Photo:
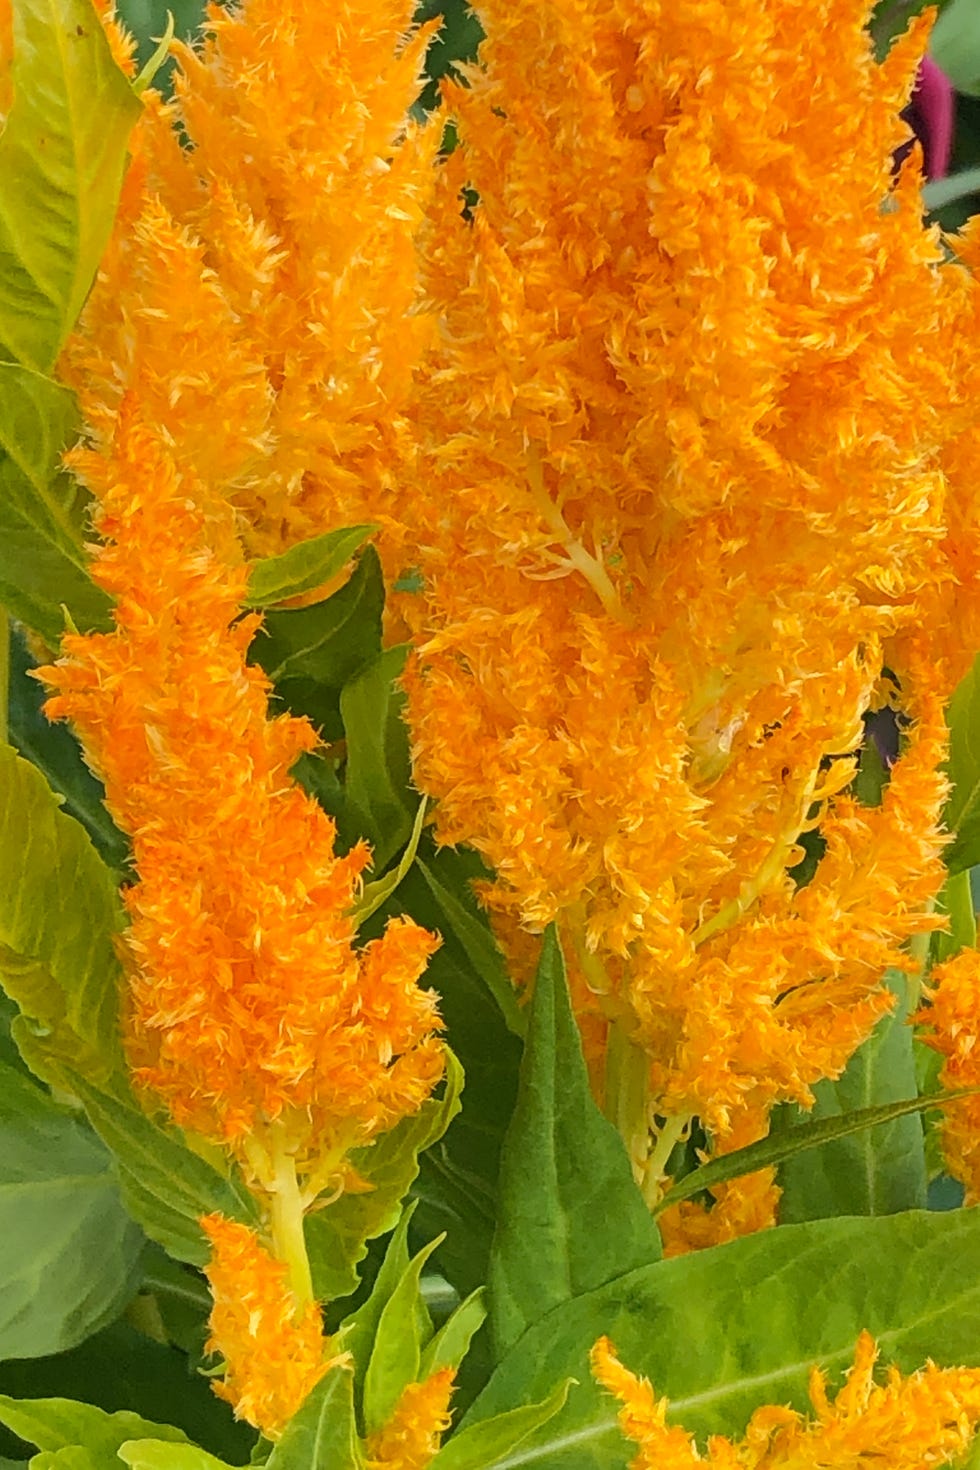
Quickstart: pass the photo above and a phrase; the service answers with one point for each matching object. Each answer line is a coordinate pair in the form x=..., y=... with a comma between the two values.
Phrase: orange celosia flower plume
x=680, y=503
x=929, y=1418
x=246, y=344
x=411, y=1438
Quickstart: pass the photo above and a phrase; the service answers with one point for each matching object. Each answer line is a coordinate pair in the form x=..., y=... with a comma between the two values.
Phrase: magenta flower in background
x=930, y=114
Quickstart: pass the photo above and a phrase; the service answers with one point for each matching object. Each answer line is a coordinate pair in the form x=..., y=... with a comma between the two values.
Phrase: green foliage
x=59, y=1424
x=70, y=1258
x=379, y=799
x=59, y=915
x=962, y=814
x=722, y=1331
x=55, y=752
x=396, y=1353
x=323, y=1435
x=955, y=44
x=495, y=1441
x=64, y=142
x=563, y=1169
x=880, y=1169
x=304, y=567
x=337, y=1236
x=165, y=1454
x=449, y=1346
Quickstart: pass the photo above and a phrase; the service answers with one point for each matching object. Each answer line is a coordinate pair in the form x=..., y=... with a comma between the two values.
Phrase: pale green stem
x=288, y=1240
x=656, y=1169
x=628, y=1095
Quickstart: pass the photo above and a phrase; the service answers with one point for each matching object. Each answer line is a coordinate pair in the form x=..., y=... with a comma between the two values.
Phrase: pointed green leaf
x=955, y=45
x=956, y=901
x=563, y=1168
x=962, y=815
x=167, y=1187
x=378, y=781
x=375, y=894
x=70, y=1256
x=158, y=59
x=305, y=566
x=493, y=1442
x=452, y=1342
x=475, y=937
x=163, y=1454
x=59, y=914
x=875, y=1171
x=323, y=1435
x=62, y=155
x=54, y=1424
x=397, y=1351
x=361, y=1327
x=337, y=1237
x=779, y=1147
x=722, y=1331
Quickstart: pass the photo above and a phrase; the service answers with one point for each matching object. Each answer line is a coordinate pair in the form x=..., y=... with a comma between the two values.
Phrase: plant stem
x=288, y=1240
x=627, y=1095
x=669, y=1136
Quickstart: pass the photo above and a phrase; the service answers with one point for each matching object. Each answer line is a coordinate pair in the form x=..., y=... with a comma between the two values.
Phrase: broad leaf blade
x=160, y=1454
x=70, y=1258
x=397, y=1351
x=55, y=1424
x=564, y=1168
x=725, y=1330
x=59, y=914
x=962, y=815
x=62, y=155
x=875, y=1171
x=323, y=1435
x=493, y=1442
x=381, y=804
x=304, y=567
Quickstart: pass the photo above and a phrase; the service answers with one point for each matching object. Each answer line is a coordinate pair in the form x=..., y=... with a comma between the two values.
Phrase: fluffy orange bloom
x=680, y=501
x=951, y=1025
x=927, y=1419
x=410, y=1439
x=249, y=1010
x=274, y=1351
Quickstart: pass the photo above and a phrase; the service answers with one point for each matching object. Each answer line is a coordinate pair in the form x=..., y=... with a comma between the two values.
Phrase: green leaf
x=64, y=144
x=962, y=815
x=877, y=1171
x=304, y=567
x=181, y=1299
x=59, y=914
x=375, y=894
x=725, y=1330
x=311, y=652
x=397, y=1351
x=494, y=1441
x=70, y=1258
x=361, y=1327
x=563, y=1169
x=956, y=901
x=955, y=45
x=55, y=1424
x=470, y=928
x=378, y=782
x=121, y=1369
x=779, y=1147
x=167, y=1187
x=162, y=1454
x=55, y=752
x=452, y=1342
x=337, y=1237
x=72, y=1457
x=323, y=1435
x=937, y=193
x=158, y=59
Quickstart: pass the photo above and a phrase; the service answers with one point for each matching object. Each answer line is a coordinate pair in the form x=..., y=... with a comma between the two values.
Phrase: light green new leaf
x=167, y=1187
x=877, y=1171
x=563, y=1169
x=337, y=1237
x=55, y=1424
x=70, y=1254
x=166, y=1454
x=62, y=156
x=59, y=913
x=323, y=1435
x=42, y=512
x=779, y=1147
x=493, y=1442
x=361, y=1327
x=397, y=1352
x=962, y=815
x=956, y=901
x=375, y=895
x=72, y=1457
x=452, y=1342
x=378, y=782
x=722, y=1331
x=304, y=567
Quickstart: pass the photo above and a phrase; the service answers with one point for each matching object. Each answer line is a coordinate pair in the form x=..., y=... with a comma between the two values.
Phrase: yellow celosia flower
x=249, y=1011
x=951, y=1025
x=679, y=500
x=410, y=1440
x=274, y=1349
x=927, y=1419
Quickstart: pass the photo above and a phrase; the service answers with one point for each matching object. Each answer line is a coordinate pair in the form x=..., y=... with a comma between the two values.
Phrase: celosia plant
x=485, y=588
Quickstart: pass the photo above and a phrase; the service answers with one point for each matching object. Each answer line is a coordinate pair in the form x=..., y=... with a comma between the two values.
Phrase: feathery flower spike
x=410, y=1440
